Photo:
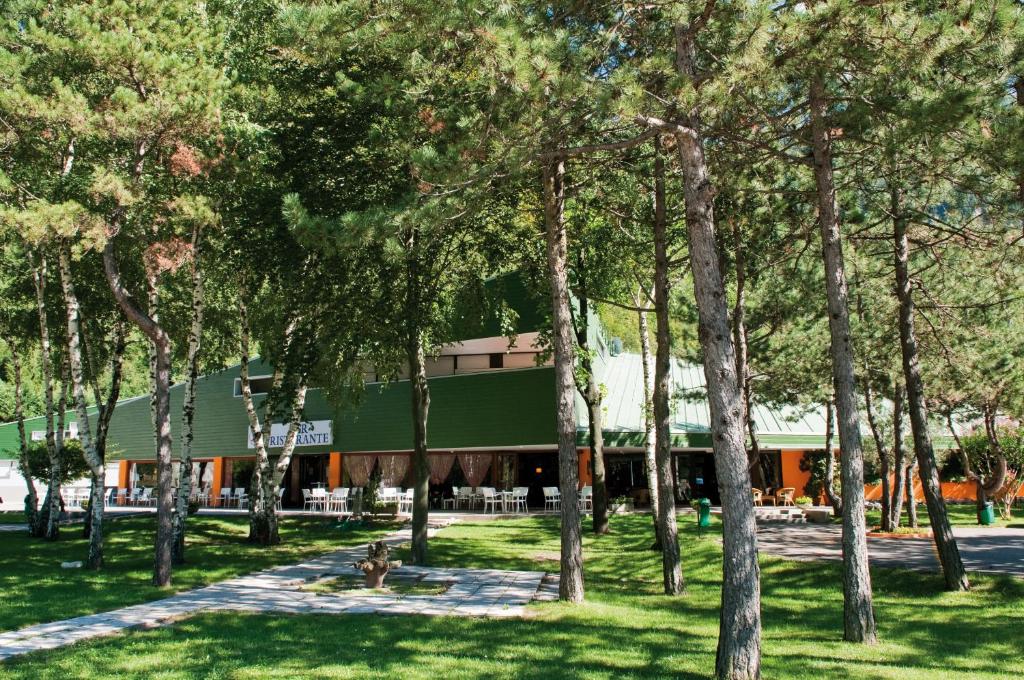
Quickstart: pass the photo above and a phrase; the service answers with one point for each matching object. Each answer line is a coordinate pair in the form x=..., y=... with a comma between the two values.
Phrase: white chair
x=133, y=497
x=405, y=501
x=122, y=497
x=280, y=496
x=110, y=497
x=519, y=494
x=453, y=501
x=491, y=498
x=389, y=494
x=318, y=499
x=241, y=498
x=338, y=501
x=586, y=500
x=147, y=497
x=477, y=496
x=225, y=498
x=552, y=499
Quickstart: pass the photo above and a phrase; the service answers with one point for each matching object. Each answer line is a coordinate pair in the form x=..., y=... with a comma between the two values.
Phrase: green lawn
x=36, y=589
x=12, y=517
x=960, y=515
x=625, y=629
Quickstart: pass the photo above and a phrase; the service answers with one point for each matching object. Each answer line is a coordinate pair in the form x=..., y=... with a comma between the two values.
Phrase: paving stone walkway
x=994, y=550
x=472, y=592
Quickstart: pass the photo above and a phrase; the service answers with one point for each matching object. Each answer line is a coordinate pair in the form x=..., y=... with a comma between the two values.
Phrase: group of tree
x=795, y=193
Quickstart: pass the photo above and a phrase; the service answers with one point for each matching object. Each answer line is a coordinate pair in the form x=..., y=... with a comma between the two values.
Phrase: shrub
x=803, y=500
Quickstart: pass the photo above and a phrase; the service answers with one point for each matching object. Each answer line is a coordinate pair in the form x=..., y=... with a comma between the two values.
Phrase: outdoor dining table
x=506, y=499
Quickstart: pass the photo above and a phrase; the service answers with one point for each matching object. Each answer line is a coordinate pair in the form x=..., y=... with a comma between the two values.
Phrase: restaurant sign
x=311, y=433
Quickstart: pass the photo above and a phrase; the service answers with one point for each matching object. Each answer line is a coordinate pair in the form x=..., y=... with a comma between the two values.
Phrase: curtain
x=392, y=469
x=474, y=466
x=440, y=466
x=359, y=468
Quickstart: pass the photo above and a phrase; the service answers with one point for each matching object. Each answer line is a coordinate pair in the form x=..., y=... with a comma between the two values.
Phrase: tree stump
x=377, y=565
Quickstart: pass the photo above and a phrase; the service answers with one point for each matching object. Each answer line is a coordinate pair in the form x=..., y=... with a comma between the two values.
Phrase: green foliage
x=71, y=458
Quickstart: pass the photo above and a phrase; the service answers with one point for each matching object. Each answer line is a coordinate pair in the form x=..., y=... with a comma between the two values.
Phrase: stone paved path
x=473, y=592
x=13, y=527
x=997, y=551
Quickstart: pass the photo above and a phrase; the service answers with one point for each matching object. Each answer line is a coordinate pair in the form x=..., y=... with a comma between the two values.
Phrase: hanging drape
x=392, y=469
x=440, y=466
x=359, y=467
x=474, y=466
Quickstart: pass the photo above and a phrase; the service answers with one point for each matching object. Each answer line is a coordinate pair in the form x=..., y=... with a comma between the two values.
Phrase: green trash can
x=704, y=513
x=988, y=513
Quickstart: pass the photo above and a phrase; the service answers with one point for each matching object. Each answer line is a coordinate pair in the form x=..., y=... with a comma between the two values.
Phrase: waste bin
x=704, y=513
x=988, y=513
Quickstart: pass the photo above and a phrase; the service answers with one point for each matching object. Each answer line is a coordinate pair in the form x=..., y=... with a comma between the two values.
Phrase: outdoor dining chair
x=280, y=496
x=552, y=499
x=491, y=498
x=519, y=495
x=147, y=497
x=586, y=499
x=453, y=501
x=318, y=498
x=405, y=501
x=241, y=498
x=338, y=501
x=225, y=498
x=784, y=496
x=122, y=497
x=758, y=496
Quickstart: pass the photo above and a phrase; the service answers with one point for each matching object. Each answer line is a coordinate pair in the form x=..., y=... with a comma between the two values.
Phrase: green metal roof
x=622, y=377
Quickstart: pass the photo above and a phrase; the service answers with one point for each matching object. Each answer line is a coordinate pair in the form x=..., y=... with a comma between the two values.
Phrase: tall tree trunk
x=834, y=499
x=188, y=409
x=899, y=456
x=570, y=588
x=420, y=396
x=592, y=397
x=420, y=465
x=649, y=429
x=945, y=543
x=671, y=564
x=739, y=636
x=911, y=499
x=883, y=457
x=31, y=498
x=104, y=409
x=858, y=613
x=95, y=462
x=49, y=519
x=263, y=526
x=739, y=340
x=161, y=343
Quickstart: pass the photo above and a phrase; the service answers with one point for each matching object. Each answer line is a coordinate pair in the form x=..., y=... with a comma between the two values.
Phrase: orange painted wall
x=334, y=471
x=792, y=475
x=124, y=469
x=218, y=480
x=585, y=477
x=951, y=491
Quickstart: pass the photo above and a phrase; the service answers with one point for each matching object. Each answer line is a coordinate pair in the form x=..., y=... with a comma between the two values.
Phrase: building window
x=497, y=360
x=259, y=384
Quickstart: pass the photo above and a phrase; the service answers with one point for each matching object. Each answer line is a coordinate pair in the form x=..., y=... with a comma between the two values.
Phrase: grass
x=36, y=589
x=626, y=628
x=960, y=515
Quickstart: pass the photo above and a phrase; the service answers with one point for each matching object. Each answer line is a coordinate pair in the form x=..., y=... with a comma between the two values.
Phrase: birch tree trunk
x=883, y=458
x=899, y=457
x=161, y=344
x=945, y=543
x=649, y=433
x=671, y=565
x=31, y=498
x=105, y=410
x=51, y=511
x=570, y=588
x=188, y=409
x=858, y=613
x=95, y=462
